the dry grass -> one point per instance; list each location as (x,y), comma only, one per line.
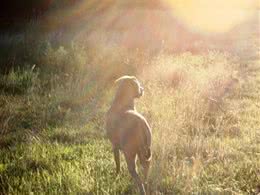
(196,132)
(202,109)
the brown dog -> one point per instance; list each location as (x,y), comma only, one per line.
(128,130)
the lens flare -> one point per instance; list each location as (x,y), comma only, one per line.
(212,16)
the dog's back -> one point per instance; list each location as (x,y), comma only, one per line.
(130,132)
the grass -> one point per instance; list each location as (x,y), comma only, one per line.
(202,108)
(198,146)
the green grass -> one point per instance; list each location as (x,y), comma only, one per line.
(61,162)
(199,146)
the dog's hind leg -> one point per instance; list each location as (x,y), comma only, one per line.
(117,159)
(130,160)
(146,165)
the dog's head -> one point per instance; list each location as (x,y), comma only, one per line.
(129,86)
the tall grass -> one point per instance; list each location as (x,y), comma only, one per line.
(196,132)
(52,139)
(53,101)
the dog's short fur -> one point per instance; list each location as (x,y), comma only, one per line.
(128,130)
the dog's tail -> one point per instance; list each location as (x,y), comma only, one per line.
(146,142)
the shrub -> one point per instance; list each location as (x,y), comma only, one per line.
(20,80)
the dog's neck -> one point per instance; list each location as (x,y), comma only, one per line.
(122,106)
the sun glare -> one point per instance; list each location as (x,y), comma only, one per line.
(210,16)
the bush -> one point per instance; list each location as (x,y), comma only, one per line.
(20,80)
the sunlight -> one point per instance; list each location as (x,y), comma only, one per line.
(209,16)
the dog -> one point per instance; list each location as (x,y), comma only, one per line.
(128,130)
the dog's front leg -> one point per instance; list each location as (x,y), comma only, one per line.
(117,159)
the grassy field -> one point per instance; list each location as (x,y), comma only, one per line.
(203,108)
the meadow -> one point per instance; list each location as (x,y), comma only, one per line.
(203,108)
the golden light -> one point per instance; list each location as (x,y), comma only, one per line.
(209,16)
